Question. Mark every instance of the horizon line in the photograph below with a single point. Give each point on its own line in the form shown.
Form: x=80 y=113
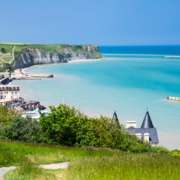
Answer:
x=112 y=45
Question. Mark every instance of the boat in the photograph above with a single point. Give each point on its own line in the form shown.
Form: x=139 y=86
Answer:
x=173 y=98
x=6 y=81
x=50 y=76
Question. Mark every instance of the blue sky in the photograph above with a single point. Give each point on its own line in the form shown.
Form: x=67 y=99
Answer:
x=115 y=22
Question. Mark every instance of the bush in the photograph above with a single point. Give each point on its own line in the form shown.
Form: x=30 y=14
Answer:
x=3 y=50
x=61 y=124
x=175 y=153
x=6 y=116
x=67 y=126
x=22 y=129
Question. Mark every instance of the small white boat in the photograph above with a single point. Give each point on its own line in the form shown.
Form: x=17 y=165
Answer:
x=173 y=98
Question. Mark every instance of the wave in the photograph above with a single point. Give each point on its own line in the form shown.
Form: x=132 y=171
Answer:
x=117 y=55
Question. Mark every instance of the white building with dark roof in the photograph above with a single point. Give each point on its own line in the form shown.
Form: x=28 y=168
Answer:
x=8 y=94
x=147 y=132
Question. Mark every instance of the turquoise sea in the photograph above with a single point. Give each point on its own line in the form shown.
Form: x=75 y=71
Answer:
x=128 y=80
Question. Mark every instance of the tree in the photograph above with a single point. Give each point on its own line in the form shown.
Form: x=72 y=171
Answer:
x=22 y=129
x=3 y=50
x=66 y=125
x=9 y=68
x=6 y=116
x=61 y=124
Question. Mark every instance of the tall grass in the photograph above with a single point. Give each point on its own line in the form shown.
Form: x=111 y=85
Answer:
x=126 y=167
x=86 y=163
x=28 y=171
x=14 y=153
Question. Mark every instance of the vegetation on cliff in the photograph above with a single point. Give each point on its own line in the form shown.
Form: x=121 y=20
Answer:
x=24 y=55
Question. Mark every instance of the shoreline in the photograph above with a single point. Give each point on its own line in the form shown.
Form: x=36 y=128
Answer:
x=84 y=60
x=164 y=140
x=69 y=62
x=25 y=74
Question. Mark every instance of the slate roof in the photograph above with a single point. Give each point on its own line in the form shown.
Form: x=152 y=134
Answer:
x=152 y=133
x=147 y=122
x=146 y=127
x=115 y=119
x=115 y=116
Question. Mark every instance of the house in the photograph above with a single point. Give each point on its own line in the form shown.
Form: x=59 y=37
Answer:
x=10 y=97
x=33 y=109
x=8 y=94
x=31 y=105
x=147 y=132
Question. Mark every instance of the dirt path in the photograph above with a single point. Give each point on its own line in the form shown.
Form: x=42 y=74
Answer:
x=5 y=170
x=53 y=166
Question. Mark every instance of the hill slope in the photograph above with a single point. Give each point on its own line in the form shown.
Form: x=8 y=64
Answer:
x=86 y=163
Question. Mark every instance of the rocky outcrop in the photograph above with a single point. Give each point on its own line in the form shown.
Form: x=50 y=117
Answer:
x=32 y=56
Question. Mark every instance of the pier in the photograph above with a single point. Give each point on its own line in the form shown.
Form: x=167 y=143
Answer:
x=20 y=74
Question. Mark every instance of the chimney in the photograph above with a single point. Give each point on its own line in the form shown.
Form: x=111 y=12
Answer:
x=131 y=124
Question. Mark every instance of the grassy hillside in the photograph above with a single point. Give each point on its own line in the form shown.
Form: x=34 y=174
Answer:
x=126 y=167
x=87 y=163
x=97 y=149
x=15 y=153
x=47 y=47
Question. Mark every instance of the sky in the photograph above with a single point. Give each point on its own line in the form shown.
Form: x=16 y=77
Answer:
x=101 y=22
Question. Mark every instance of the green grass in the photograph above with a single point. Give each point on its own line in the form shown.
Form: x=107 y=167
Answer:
x=7 y=57
x=126 y=167
x=49 y=47
x=28 y=171
x=46 y=47
x=14 y=153
x=175 y=153
x=86 y=163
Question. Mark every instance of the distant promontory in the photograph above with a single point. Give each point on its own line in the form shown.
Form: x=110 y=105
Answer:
x=26 y=55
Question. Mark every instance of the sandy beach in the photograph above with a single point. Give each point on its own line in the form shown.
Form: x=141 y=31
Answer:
x=84 y=60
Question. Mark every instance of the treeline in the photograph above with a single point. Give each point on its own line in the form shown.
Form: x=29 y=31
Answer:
x=65 y=125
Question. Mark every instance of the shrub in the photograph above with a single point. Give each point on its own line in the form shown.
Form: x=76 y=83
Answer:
x=24 y=130
x=61 y=124
x=160 y=150
x=6 y=116
x=175 y=153
x=3 y=50
x=67 y=126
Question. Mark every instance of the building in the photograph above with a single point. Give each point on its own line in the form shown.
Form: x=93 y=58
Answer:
x=10 y=97
x=31 y=105
x=33 y=109
x=8 y=94
x=115 y=119
x=147 y=132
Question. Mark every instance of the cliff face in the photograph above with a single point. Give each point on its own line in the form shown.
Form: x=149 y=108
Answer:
x=32 y=55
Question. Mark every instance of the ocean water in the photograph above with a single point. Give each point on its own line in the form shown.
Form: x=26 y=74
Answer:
x=128 y=82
